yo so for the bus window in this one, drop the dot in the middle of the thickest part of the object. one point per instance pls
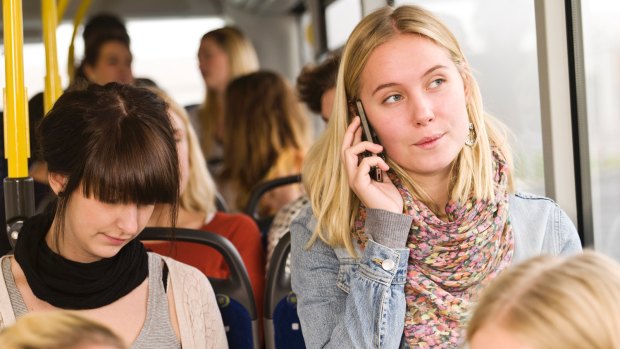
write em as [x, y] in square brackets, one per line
[601, 41]
[156, 44]
[161, 44]
[341, 16]
[499, 40]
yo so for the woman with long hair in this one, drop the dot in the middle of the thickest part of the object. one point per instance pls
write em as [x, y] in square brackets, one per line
[267, 139]
[224, 54]
[112, 157]
[197, 210]
[396, 258]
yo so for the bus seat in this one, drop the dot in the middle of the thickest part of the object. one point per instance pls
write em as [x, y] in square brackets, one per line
[282, 326]
[259, 190]
[234, 294]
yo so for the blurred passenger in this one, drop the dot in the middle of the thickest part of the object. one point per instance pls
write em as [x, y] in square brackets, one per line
[103, 24]
[267, 136]
[316, 87]
[107, 59]
[551, 303]
[224, 54]
[112, 156]
[97, 25]
[58, 330]
[197, 210]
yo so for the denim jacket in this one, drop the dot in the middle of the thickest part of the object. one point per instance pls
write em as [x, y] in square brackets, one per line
[346, 302]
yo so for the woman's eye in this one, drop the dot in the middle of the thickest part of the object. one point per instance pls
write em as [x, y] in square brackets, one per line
[393, 99]
[112, 61]
[436, 83]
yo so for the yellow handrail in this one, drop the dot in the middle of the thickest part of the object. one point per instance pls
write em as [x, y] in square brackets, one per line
[62, 7]
[16, 140]
[53, 89]
[79, 15]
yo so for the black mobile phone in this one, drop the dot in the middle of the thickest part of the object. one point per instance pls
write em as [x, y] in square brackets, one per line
[368, 134]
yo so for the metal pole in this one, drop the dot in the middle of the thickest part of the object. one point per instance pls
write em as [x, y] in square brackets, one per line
[18, 187]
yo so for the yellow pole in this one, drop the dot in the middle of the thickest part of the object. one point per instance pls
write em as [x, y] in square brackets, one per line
[16, 141]
[53, 90]
[62, 7]
[79, 15]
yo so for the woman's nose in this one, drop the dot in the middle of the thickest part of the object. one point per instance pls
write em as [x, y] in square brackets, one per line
[128, 219]
[422, 110]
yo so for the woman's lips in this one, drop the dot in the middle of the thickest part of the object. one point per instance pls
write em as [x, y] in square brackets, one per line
[428, 142]
[114, 241]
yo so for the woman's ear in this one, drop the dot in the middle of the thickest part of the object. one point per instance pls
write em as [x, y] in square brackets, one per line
[465, 76]
[57, 182]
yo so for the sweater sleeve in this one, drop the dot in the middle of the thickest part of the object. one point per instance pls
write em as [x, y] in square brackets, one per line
[200, 321]
[387, 228]
[7, 316]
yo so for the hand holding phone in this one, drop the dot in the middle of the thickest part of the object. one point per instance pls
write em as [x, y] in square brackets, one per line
[378, 191]
[368, 134]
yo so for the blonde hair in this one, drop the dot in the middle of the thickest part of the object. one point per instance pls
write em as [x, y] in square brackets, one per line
[56, 330]
[266, 127]
[242, 59]
[553, 302]
[200, 192]
[333, 202]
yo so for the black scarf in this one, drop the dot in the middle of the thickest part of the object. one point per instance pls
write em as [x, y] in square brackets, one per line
[71, 285]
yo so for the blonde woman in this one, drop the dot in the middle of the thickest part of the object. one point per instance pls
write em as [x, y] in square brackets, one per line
[397, 261]
[551, 302]
[224, 54]
[58, 330]
[267, 138]
[197, 210]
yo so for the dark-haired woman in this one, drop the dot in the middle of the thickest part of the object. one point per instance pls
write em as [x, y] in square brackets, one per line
[111, 156]
[107, 58]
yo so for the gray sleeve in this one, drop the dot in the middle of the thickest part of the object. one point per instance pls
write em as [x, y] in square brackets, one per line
[388, 228]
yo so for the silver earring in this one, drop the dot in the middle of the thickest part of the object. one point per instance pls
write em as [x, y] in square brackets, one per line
[471, 138]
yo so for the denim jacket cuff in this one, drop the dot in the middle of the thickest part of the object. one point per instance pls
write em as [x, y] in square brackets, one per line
[384, 265]
[388, 228]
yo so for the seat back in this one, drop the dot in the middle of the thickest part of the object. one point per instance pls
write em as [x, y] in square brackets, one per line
[234, 294]
[256, 194]
[282, 326]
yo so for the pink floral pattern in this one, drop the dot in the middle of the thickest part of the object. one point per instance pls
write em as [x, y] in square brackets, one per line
[450, 261]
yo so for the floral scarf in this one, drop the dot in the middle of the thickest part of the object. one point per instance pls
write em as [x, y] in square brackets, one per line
[450, 262]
